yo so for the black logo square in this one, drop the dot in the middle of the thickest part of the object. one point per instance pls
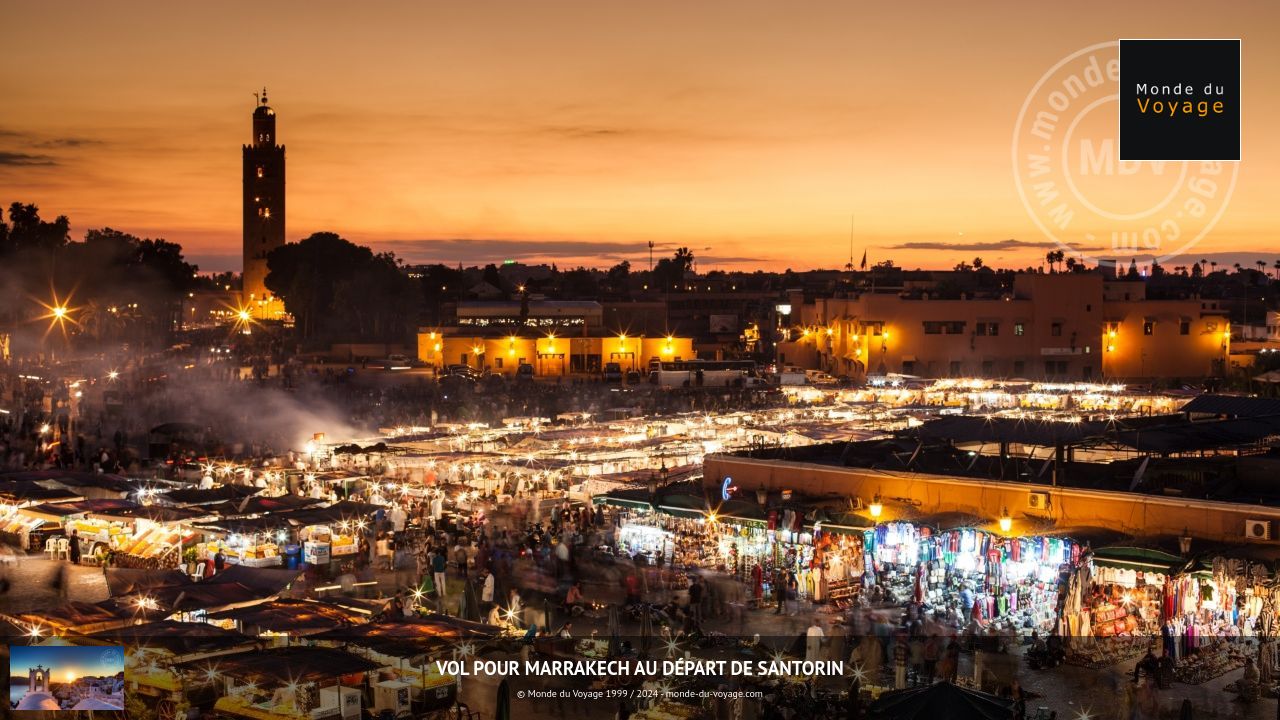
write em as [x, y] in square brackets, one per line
[1180, 99]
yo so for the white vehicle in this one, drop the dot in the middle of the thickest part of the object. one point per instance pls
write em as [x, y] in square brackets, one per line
[789, 377]
[705, 373]
[818, 377]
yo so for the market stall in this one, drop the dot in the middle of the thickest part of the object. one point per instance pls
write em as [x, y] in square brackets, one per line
[968, 574]
[406, 650]
[292, 682]
[157, 538]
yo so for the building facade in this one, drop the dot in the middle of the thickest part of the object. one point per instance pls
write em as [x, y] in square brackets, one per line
[1068, 327]
[264, 211]
[555, 337]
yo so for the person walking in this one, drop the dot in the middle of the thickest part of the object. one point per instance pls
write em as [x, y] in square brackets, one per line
[486, 591]
[73, 548]
[439, 564]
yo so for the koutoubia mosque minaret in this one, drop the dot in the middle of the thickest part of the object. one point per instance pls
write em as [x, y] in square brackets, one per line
[263, 210]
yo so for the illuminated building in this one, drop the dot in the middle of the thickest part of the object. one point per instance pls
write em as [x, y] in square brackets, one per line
[1070, 327]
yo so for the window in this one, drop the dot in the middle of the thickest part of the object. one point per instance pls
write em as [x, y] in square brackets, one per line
[1019, 329]
[462, 359]
[955, 368]
[943, 327]
[988, 368]
[987, 329]
[259, 171]
[908, 367]
[1056, 329]
[497, 362]
[1019, 368]
[1148, 328]
[1184, 327]
[1088, 307]
[1087, 373]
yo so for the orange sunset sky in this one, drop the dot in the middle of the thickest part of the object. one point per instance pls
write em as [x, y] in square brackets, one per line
[577, 132]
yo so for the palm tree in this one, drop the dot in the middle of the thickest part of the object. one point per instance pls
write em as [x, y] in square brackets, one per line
[1262, 266]
[1213, 266]
[1277, 267]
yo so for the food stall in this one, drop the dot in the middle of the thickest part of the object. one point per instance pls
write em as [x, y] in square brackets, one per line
[158, 534]
[97, 532]
[406, 650]
[24, 531]
[325, 543]
[289, 682]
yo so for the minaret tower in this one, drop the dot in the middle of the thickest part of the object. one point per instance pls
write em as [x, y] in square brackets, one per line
[263, 210]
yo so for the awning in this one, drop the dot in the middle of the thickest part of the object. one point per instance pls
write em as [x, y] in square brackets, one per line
[1141, 559]
[412, 637]
[284, 665]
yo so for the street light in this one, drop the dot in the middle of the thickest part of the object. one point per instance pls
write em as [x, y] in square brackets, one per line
[876, 507]
[1006, 522]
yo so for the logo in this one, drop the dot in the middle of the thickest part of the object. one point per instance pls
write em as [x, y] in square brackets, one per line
[1180, 99]
[1083, 197]
[111, 657]
[727, 488]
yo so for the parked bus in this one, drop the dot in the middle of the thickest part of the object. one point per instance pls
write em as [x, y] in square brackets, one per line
[705, 373]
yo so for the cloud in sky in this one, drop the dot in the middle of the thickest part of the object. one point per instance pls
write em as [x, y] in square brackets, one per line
[495, 250]
[21, 159]
[980, 245]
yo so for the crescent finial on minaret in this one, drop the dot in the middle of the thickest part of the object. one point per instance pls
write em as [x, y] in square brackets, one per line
[264, 94]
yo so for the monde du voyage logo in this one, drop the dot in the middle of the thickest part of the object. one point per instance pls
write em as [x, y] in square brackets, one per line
[1124, 148]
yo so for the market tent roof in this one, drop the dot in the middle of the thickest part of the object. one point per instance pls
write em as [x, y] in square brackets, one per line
[156, 513]
[1239, 406]
[1134, 558]
[57, 511]
[235, 586]
[698, 506]
[1023, 431]
[284, 665]
[354, 449]
[940, 700]
[625, 497]
[19, 491]
[176, 637]
[196, 496]
[337, 512]
[74, 616]
[266, 580]
[72, 478]
[412, 637]
[257, 504]
[294, 617]
[129, 581]
[246, 525]
[1182, 437]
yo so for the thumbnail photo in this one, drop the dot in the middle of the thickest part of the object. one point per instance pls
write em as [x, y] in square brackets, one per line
[66, 677]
